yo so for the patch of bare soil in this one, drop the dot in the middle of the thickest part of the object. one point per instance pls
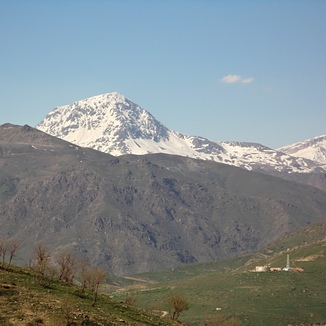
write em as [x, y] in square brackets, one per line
[309, 258]
[145, 280]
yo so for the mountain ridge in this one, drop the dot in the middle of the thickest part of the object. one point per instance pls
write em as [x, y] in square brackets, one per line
[113, 124]
[141, 213]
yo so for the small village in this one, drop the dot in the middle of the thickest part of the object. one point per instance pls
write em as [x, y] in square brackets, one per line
[287, 268]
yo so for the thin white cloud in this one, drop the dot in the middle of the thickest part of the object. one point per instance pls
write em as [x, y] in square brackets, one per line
[247, 80]
[232, 79]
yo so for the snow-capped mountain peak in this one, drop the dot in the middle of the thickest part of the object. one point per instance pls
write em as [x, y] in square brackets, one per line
[113, 124]
[105, 122]
[313, 149]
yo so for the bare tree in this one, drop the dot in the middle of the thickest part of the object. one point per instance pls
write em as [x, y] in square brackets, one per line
[177, 304]
[13, 247]
[131, 298]
[68, 312]
[41, 257]
[67, 266]
[95, 276]
[84, 268]
[3, 251]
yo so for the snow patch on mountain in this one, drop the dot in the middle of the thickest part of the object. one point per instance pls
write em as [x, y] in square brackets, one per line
[113, 124]
[313, 149]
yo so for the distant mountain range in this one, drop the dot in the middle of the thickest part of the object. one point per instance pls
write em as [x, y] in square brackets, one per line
[137, 213]
[113, 124]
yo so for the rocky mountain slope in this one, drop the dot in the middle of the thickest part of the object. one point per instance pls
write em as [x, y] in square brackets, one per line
[141, 213]
[113, 124]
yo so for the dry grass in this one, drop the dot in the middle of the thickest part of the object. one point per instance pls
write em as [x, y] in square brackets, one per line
[24, 301]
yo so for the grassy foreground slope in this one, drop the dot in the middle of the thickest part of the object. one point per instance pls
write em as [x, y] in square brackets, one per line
[23, 301]
[230, 288]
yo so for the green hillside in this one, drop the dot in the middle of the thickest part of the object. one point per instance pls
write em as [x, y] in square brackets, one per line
[227, 290]
[270, 298]
[26, 301]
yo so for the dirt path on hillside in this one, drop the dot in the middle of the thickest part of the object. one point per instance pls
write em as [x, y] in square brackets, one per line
[138, 279]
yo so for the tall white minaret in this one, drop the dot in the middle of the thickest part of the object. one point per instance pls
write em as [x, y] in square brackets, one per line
[288, 259]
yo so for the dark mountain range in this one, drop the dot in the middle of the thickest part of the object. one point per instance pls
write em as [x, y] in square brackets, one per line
[141, 213]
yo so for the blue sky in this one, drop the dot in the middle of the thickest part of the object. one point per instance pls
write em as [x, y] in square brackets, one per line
[225, 70]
